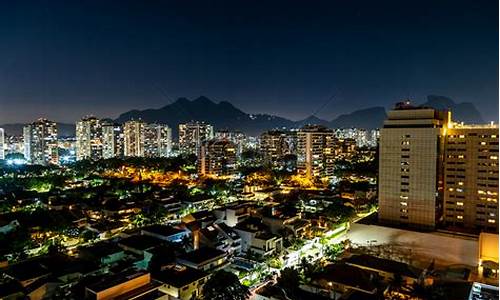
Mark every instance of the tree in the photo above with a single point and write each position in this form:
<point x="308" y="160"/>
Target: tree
<point x="289" y="280"/>
<point x="224" y="286"/>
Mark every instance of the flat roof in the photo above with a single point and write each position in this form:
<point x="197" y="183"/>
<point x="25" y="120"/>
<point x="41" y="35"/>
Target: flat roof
<point x="140" y="242"/>
<point x="107" y="282"/>
<point x="202" y="255"/>
<point x="164" y="230"/>
<point x="179" y="276"/>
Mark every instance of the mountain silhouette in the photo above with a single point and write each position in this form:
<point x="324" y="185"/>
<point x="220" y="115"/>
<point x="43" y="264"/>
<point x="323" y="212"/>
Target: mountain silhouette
<point x="464" y="112"/>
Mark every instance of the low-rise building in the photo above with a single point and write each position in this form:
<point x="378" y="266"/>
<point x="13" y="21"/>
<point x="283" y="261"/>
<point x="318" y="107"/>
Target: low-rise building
<point x="125" y="285"/>
<point x="256" y="237"/>
<point x="181" y="282"/>
<point x="165" y="232"/>
<point x="204" y="259"/>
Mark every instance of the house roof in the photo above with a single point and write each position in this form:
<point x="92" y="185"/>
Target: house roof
<point x="202" y="255"/>
<point x="179" y="276"/>
<point x="111" y="280"/>
<point x="140" y="242"/>
<point x="163" y="230"/>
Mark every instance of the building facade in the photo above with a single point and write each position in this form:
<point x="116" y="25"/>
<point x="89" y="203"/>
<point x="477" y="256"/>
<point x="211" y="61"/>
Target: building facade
<point x="471" y="177"/>
<point x="192" y="135"/>
<point x="217" y="158"/>
<point x="157" y="140"/>
<point x="89" y="139"/>
<point x="410" y="166"/>
<point x="133" y="138"/>
<point x="2" y="143"/>
<point x="112" y="140"/>
<point x="275" y="144"/>
<point x="315" y="151"/>
<point x="40" y="142"/>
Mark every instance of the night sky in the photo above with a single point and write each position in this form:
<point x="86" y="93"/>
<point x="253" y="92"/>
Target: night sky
<point x="63" y="60"/>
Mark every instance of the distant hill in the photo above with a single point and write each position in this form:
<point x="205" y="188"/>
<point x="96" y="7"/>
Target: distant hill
<point x="224" y="115"/>
<point x="17" y="129"/>
<point x="368" y="118"/>
<point x="465" y="112"/>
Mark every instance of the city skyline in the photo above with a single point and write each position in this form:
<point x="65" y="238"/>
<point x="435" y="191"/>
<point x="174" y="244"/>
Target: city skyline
<point x="329" y="58"/>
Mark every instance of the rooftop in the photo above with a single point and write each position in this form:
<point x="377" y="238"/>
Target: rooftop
<point x="140" y="242"/>
<point x="179" y="276"/>
<point x="202" y="255"/>
<point x="109" y="281"/>
<point x="163" y="230"/>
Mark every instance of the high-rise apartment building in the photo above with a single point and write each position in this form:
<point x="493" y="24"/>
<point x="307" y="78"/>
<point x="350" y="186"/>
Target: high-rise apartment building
<point x="112" y="140"/>
<point x="315" y="151"/>
<point x="410" y="166"/>
<point x="471" y="177"/>
<point x="217" y="158"/>
<point x="237" y="137"/>
<point x="275" y="144"/>
<point x="2" y="143"/>
<point x="193" y="134"/>
<point x="89" y="144"/>
<point x="157" y="140"/>
<point x="40" y="142"/>
<point x="133" y="138"/>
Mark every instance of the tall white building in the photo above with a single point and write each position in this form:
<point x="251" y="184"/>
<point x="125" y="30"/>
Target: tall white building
<point x="193" y="134"/>
<point x="2" y="143"/>
<point x="112" y="140"/>
<point x="315" y="151"/>
<point x="40" y="142"/>
<point x="157" y="140"/>
<point x="411" y="166"/>
<point x="89" y="139"/>
<point x="133" y="138"/>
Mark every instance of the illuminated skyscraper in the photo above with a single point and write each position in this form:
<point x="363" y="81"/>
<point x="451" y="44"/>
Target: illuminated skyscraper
<point x="315" y="151"/>
<point x="112" y="140"/>
<point x="471" y="177"/>
<point x="40" y="142"/>
<point x="192" y="135"/>
<point x="2" y="143"/>
<point x="217" y="158"/>
<point x="157" y="140"/>
<point x="275" y="144"/>
<point x="89" y="139"/>
<point x="410" y="166"/>
<point x="133" y="138"/>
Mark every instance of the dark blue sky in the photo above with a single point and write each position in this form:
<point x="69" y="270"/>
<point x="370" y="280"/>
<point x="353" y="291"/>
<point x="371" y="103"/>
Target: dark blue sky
<point x="63" y="60"/>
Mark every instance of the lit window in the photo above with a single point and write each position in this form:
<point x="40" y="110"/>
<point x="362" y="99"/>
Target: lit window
<point x="460" y="217"/>
<point x="462" y="136"/>
<point x="483" y="143"/>
<point x="451" y="189"/>
<point x="403" y="197"/>
<point x="460" y="203"/>
<point x="460" y="156"/>
<point x="491" y="221"/>
<point x="459" y="190"/>
<point x="493" y="136"/>
<point x="460" y="183"/>
<point x="493" y="157"/>
<point x="404" y="203"/>
<point x="480" y="192"/>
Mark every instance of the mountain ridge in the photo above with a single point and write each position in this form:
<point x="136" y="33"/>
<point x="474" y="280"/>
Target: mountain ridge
<point x="224" y="115"/>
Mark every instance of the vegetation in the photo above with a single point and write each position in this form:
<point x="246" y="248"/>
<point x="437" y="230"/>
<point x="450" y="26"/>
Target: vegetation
<point x="224" y="285"/>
